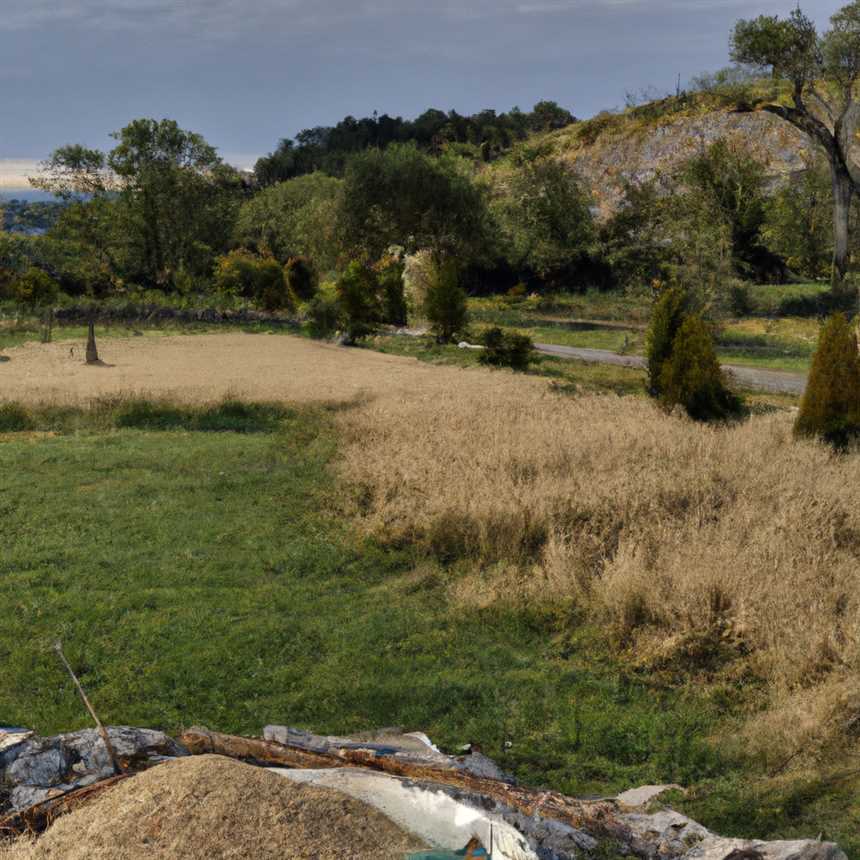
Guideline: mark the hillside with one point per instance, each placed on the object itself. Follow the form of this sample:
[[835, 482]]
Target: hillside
[[652, 141]]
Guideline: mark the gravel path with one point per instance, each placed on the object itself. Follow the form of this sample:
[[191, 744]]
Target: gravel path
[[748, 377]]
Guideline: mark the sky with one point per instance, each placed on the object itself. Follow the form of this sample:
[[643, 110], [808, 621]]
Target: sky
[[246, 73]]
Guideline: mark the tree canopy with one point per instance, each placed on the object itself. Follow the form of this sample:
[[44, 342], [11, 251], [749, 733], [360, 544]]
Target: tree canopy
[[328, 148], [402, 196], [821, 73]]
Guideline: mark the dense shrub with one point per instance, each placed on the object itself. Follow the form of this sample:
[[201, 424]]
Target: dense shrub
[[692, 377], [831, 405], [506, 349], [445, 301], [740, 299], [14, 418], [358, 302], [35, 289], [390, 272], [545, 221], [301, 278], [669, 313], [323, 312], [260, 279]]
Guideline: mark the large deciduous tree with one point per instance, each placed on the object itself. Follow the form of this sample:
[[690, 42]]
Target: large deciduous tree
[[822, 72], [161, 199], [401, 196]]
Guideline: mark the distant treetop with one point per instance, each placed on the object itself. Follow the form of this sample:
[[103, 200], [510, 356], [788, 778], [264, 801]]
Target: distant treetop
[[486, 135]]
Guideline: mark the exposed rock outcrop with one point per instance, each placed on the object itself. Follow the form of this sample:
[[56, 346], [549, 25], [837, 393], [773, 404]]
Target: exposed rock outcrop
[[637, 151]]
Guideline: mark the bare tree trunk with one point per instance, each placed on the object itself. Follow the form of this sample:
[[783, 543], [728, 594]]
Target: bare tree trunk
[[843, 191], [92, 352]]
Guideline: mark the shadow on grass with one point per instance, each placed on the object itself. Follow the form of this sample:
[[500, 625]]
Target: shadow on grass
[[228, 416]]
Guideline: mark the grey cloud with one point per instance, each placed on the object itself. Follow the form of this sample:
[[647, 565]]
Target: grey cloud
[[231, 16]]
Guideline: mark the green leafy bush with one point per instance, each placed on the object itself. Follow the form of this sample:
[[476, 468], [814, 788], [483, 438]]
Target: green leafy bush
[[831, 405], [359, 302], [692, 377], [394, 310], [323, 312], [35, 289], [506, 349], [260, 279], [670, 311], [301, 278], [445, 301]]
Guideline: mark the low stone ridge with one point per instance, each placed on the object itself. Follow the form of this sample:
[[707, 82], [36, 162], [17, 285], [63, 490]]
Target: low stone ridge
[[34, 769]]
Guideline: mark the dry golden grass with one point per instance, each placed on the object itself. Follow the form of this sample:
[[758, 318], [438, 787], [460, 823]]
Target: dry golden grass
[[703, 550], [729, 552]]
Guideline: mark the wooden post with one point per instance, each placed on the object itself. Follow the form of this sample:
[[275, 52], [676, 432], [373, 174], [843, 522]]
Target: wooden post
[[92, 351]]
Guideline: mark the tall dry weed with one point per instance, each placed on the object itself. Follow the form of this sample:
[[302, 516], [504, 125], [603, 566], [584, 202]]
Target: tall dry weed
[[699, 548]]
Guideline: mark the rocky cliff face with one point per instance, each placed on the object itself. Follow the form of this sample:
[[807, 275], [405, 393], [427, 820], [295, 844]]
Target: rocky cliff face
[[630, 149]]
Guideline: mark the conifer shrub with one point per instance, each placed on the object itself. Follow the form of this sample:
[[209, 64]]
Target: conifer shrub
[[670, 311], [692, 377], [506, 349], [359, 302], [301, 278], [830, 409], [445, 301], [390, 271]]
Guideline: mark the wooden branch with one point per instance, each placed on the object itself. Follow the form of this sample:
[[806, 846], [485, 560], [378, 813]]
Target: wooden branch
[[38, 818], [597, 816], [59, 648], [807, 123]]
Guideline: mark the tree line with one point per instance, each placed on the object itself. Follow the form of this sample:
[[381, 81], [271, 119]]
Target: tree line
[[162, 211], [485, 135]]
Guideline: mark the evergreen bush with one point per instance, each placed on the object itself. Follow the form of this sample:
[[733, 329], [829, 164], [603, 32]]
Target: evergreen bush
[[301, 278], [392, 290], [445, 301], [830, 409], [359, 302], [670, 311], [506, 349], [323, 312], [692, 377]]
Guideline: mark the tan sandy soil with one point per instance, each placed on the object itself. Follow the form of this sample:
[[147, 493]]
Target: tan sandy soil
[[208, 367], [209, 808]]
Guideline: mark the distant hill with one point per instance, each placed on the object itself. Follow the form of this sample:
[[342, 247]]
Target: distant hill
[[652, 141]]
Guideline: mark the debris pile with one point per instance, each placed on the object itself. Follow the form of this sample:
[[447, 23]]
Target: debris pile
[[211, 807], [415, 795]]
